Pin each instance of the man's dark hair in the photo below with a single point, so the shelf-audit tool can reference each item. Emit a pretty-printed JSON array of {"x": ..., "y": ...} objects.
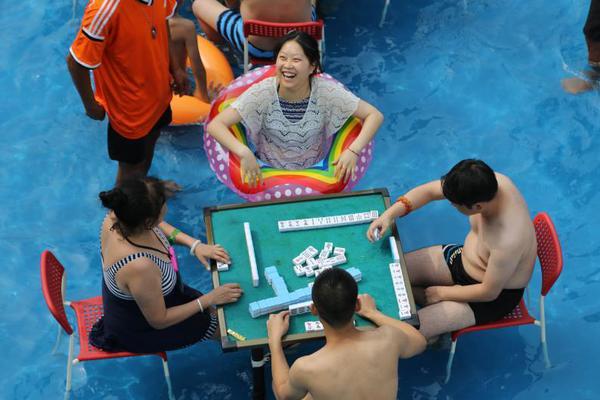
[
  {"x": 334, "y": 295},
  {"x": 468, "y": 182}
]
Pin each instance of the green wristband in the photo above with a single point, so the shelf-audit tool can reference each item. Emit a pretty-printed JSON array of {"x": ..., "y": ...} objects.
[{"x": 173, "y": 235}]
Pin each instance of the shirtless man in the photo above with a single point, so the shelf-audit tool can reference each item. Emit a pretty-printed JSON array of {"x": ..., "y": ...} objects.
[
  {"x": 353, "y": 364},
  {"x": 218, "y": 21},
  {"x": 483, "y": 280}
]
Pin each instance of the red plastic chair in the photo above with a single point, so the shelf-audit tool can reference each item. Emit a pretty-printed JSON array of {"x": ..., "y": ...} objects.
[
  {"x": 87, "y": 312},
  {"x": 551, "y": 262},
  {"x": 253, "y": 27}
]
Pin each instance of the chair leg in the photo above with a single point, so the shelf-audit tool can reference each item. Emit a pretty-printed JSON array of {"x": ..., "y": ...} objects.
[
  {"x": 384, "y": 13},
  {"x": 246, "y": 56},
  {"x": 58, "y": 335},
  {"x": 450, "y": 360},
  {"x": 543, "y": 333},
  {"x": 168, "y": 379},
  {"x": 69, "y": 366}
]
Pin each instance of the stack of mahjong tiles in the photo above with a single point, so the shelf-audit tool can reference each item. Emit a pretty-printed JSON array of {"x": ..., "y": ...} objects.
[
  {"x": 400, "y": 290},
  {"x": 327, "y": 222},
  {"x": 305, "y": 263}
]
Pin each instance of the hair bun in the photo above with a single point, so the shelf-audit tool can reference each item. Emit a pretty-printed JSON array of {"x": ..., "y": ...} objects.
[{"x": 113, "y": 199}]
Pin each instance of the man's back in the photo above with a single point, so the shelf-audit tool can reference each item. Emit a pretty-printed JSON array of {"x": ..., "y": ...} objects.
[
  {"x": 364, "y": 365},
  {"x": 274, "y": 11}
]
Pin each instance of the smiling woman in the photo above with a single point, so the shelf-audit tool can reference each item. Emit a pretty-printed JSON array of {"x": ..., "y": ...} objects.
[{"x": 291, "y": 117}]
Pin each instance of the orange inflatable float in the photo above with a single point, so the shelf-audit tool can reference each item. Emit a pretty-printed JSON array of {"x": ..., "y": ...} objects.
[{"x": 190, "y": 110}]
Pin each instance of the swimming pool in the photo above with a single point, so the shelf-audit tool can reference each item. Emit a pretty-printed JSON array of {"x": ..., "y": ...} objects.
[{"x": 454, "y": 78}]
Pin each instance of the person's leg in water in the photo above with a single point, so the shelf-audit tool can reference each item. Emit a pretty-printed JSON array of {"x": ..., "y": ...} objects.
[
  {"x": 591, "y": 31},
  {"x": 136, "y": 169},
  {"x": 207, "y": 13},
  {"x": 427, "y": 267},
  {"x": 183, "y": 37},
  {"x": 130, "y": 170}
]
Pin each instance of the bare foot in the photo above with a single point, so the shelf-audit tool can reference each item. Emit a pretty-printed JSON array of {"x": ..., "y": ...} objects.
[{"x": 576, "y": 85}]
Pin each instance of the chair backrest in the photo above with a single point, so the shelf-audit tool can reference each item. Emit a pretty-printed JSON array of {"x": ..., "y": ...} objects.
[
  {"x": 52, "y": 274},
  {"x": 548, "y": 250},
  {"x": 254, "y": 27}
]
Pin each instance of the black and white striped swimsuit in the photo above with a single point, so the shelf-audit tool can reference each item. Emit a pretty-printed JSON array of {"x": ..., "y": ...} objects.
[
  {"x": 124, "y": 327},
  {"x": 167, "y": 273}
]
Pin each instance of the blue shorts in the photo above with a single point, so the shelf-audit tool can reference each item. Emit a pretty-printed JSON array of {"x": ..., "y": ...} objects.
[{"x": 231, "y": 27}]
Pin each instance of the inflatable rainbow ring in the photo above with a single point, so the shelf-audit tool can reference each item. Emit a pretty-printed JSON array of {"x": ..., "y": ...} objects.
[{"x": 280, "y": 183}]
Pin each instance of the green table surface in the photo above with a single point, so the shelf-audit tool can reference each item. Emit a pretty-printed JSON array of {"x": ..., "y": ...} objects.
[{"x": 225, "y": 227}]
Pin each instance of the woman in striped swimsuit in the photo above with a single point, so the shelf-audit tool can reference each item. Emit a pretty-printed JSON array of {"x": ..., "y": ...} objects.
[{"x": 147, "y": 308}]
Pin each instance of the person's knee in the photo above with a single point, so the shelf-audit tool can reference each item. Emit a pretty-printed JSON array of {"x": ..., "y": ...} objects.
[
  {"x": 208, "y": 10},
  {"x": 188, "y": 27}
]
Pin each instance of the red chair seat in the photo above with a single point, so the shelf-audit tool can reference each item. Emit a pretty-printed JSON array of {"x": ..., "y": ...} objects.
[
  {"x": 518, "y": 316},
  {"x": 89, "y": 311}
]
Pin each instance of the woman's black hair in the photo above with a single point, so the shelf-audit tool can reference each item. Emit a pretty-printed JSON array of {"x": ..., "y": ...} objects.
[
  {"x": 136, "y": 203},
  {"x": 309, "y": 46}
]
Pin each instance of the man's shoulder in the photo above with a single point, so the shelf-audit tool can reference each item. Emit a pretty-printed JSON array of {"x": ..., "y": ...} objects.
[
  {"x": 386, "y": 333},
  {"x": 104, "y": 7},
  {"x": 98, "y": 15},
  {"x": 302, "y": 366}
]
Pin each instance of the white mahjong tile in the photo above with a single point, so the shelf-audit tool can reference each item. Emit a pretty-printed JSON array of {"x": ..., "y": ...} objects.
[
  {"x": 312, "y": 251},
  {"x": 299, "y": 260},
  {"x": 339, "y": 250},
  {"x": 340, "y": 259}
]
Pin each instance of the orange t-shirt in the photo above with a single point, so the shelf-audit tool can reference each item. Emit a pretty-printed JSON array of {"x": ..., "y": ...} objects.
[{"x": 125, "y": 42}]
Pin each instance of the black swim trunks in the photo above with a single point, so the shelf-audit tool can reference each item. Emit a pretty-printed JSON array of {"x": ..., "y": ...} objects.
[
  {"x": 133, "y": 151},
  {"x": 484, "y": 311}
]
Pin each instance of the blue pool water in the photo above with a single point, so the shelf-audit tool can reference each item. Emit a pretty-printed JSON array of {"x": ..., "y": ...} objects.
[{"x": 454, "y": 78}]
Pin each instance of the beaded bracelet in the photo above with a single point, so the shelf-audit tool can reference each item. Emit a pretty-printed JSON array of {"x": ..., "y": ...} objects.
[
  {"x": 173, "y": 235},
  {"x": 408, "y": 207}
]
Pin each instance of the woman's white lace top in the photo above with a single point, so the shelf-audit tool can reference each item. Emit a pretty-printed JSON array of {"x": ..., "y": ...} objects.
[{"x": 294, "y": 145}]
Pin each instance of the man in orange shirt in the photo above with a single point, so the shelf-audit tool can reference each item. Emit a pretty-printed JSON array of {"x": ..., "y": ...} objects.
[{"x": 126, "y": 44}]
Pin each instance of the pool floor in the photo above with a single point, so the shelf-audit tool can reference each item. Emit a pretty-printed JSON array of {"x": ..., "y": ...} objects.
[{"x": 454, "y": 79}]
